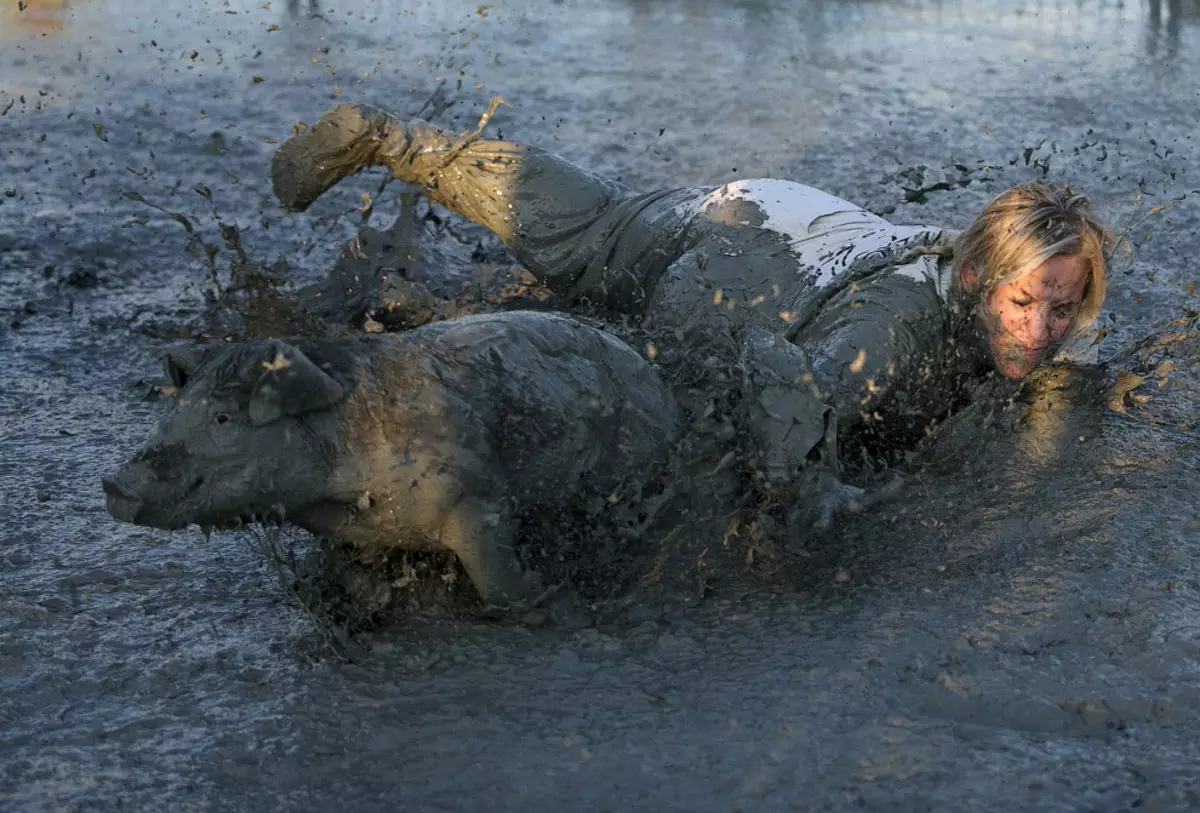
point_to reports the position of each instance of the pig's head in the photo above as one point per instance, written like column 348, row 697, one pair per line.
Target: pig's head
column 250, row 433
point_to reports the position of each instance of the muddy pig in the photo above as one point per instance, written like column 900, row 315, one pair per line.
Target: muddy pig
column 439, row 437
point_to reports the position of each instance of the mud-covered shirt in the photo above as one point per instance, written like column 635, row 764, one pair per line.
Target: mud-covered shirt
column 878, row 334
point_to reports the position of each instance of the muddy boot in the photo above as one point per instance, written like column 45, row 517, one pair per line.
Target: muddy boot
column 343, row 142
column 350, row 138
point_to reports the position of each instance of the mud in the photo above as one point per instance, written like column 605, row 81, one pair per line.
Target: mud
column 1019, row 630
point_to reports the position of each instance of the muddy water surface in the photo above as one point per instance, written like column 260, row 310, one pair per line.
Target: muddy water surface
column 1020, row 632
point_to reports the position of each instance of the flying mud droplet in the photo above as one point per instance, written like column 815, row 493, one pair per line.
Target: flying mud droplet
column 1121, row 395
column 859, row 362
column 280, row 362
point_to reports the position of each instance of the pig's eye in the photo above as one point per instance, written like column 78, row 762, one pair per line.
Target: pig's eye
column 220, row 417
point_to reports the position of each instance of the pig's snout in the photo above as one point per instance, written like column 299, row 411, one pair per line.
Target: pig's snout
column 124, row 504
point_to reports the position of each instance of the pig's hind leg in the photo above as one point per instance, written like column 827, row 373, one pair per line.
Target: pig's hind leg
column 481, row 534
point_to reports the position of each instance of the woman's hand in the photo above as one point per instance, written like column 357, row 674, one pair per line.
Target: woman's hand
column 824, row 499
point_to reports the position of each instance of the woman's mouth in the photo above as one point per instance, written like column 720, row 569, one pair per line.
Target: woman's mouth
column 1020, row 351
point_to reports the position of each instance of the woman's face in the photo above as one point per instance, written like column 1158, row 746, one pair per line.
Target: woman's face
column 1025, row 318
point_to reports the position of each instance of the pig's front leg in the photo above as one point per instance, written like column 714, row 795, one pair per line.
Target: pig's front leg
column 481, row 535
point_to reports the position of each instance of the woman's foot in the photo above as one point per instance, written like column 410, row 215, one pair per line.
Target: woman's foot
column 350, row 138
column 345, row 141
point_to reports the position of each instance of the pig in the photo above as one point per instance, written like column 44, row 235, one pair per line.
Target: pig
column 440, row 437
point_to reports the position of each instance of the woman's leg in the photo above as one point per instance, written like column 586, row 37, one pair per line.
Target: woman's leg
column 582, row 235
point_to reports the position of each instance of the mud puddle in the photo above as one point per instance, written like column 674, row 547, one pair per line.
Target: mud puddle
column 1019, row 632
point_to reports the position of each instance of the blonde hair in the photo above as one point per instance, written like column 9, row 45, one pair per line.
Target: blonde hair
column 1023, row 227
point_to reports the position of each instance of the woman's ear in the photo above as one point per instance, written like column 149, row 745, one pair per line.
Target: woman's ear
column 968, row 276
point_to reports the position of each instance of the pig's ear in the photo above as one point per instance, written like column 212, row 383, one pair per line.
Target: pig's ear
column 291, row 384
column 180, row 363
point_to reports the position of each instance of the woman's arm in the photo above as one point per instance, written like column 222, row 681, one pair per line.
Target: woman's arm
column 877, row 352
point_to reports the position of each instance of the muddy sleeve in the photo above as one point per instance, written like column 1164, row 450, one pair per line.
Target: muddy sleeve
column 784, row 415
column 872, row 346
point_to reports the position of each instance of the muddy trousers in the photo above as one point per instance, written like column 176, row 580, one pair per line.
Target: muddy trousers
column 583, row 236
column 601, row 245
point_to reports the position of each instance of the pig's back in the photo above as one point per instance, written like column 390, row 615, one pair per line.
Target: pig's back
column 561, row 404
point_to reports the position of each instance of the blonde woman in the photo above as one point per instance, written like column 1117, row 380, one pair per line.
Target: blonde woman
column 818, row 330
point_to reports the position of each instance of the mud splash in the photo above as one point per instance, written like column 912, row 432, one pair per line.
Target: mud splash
column 1018, row 632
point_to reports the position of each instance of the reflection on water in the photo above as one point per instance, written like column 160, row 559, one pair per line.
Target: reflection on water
column 65, row 50
column 311, row 8
column 22, row 19
column 1162, row 21
column 29, row 20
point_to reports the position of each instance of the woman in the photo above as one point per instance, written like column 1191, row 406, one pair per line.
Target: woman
column 841, row 333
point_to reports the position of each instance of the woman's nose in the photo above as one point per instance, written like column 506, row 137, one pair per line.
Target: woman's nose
column 1037, row 328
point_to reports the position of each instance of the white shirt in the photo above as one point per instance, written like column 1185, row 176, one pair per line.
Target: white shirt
column 827, row 234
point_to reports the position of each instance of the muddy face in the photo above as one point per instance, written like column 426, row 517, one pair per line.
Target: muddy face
column 242, row 440
column 1026, row 319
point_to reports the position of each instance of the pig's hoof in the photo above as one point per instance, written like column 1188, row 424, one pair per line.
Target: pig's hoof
column 558, row 606
column 496, row 612
column 569, row 613
column 565, row 607
column 537, row 617
column 509, row 611
column 565, row 613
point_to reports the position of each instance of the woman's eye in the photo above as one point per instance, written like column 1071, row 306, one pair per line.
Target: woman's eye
column 1022, row 303
column 220, row 417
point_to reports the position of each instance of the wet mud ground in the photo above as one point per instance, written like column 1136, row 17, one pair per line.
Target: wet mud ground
column 1020, row 631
